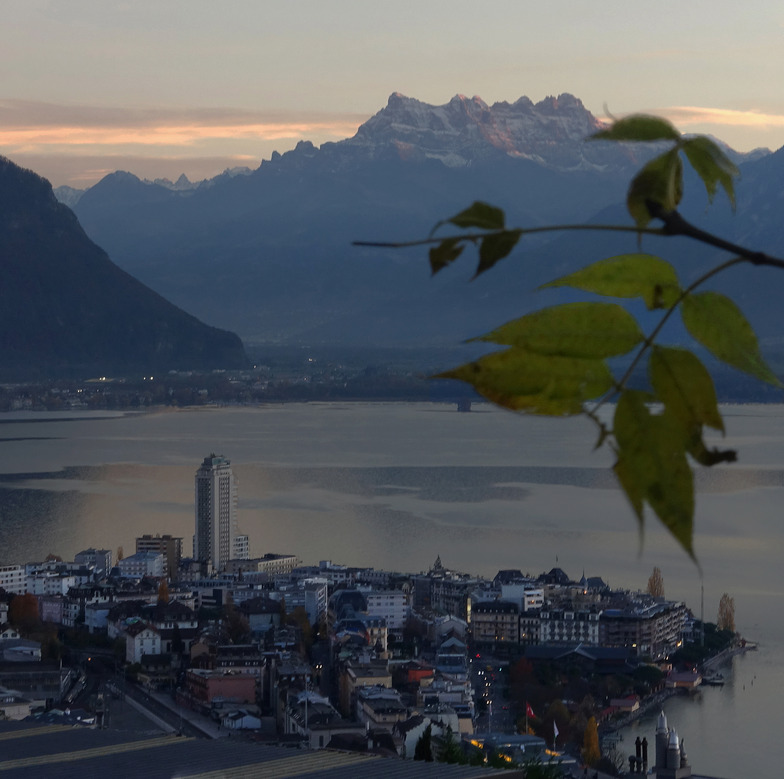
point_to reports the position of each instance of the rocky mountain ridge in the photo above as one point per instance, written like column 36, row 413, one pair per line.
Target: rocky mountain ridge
column 270, row 254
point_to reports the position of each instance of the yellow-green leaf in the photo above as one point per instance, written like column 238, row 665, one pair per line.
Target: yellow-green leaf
column 541, row 384
column 445, row 253
column 720, row 326
column 652, row 466
column 592, row 330
column 712, row 165
column 639, row 127
column 682, row 383
column 659, row 184
column 628, row 276
column 495, row 247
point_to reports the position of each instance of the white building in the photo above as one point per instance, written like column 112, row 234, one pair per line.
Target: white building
column 215, row 534
column 241, row 548
column 527, row 596
column 142, row 564
column 140, row 640
column 567, row 626
column 392, row 605
column 12, row 578
column 49, row 583
column 100, row 560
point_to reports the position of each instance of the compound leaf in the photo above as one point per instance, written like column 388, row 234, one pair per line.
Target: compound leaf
column 495, row 247
column 445, row 253
column 628, row 276
column 712, row 165
column 659, row 184
column 481, row 215
column 652, row 467
column 540, row 384
column 720, row 326
column 638, row 127
column 588, row 330
column 682, row 383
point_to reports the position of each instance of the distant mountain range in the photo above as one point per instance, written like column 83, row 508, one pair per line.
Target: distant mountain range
column 269, row 254
column 65, row 308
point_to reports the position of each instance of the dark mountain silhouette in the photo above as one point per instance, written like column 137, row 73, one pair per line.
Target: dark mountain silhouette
column 65, row 307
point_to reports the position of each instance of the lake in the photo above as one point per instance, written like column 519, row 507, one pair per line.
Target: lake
column 394, row 485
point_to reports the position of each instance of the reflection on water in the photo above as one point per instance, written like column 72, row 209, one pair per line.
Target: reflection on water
column 395, row 485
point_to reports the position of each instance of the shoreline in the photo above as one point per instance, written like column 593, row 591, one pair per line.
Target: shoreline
column 657, row 699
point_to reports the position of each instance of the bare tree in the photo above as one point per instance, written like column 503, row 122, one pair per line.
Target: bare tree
column 726, row 618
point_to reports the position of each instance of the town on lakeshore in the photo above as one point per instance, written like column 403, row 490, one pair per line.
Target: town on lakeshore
column 241, row 660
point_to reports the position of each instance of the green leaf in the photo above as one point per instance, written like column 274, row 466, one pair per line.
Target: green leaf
column 445, row 253
column 712, row 165
column 638, row 127
column 682, row 383
column 652, row 467
column 495, row 247
column 720, row 326
column 659, row 184
column 590, row 330
column 628, row 276
column 481, row 215
column 541, row 384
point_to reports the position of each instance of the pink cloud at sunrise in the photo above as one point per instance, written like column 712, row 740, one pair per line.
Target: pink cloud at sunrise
column 204, row 140
column 686, row 116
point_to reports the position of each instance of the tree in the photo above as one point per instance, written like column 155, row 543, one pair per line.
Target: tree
column 726, row 618
column 591, row 752
column 656, row 583
column 424, row 748
column 450, row 750
column 23, row 613
column 235, row 624
column 163, row 592
column 554, row 361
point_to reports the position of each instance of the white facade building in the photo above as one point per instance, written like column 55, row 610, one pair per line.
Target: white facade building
column 392, row 605
column 12, row 578
column 215, row 533
column 527, row 596
column 142, row 564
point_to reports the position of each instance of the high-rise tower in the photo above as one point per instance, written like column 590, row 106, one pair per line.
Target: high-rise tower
column 216, row 512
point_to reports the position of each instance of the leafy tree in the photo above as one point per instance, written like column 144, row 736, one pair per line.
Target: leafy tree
column 591, row 752
column 235, row 624
column 555, row 361
column 656, row 583
column 726, row 618
column 23, row 613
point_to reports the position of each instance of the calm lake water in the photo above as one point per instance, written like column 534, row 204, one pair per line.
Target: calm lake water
column 395, row 485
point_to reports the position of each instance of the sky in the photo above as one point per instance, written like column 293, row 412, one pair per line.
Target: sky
column 164, row 87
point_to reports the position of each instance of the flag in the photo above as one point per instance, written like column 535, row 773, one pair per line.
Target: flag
column 529, row 712
column 555, row 731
